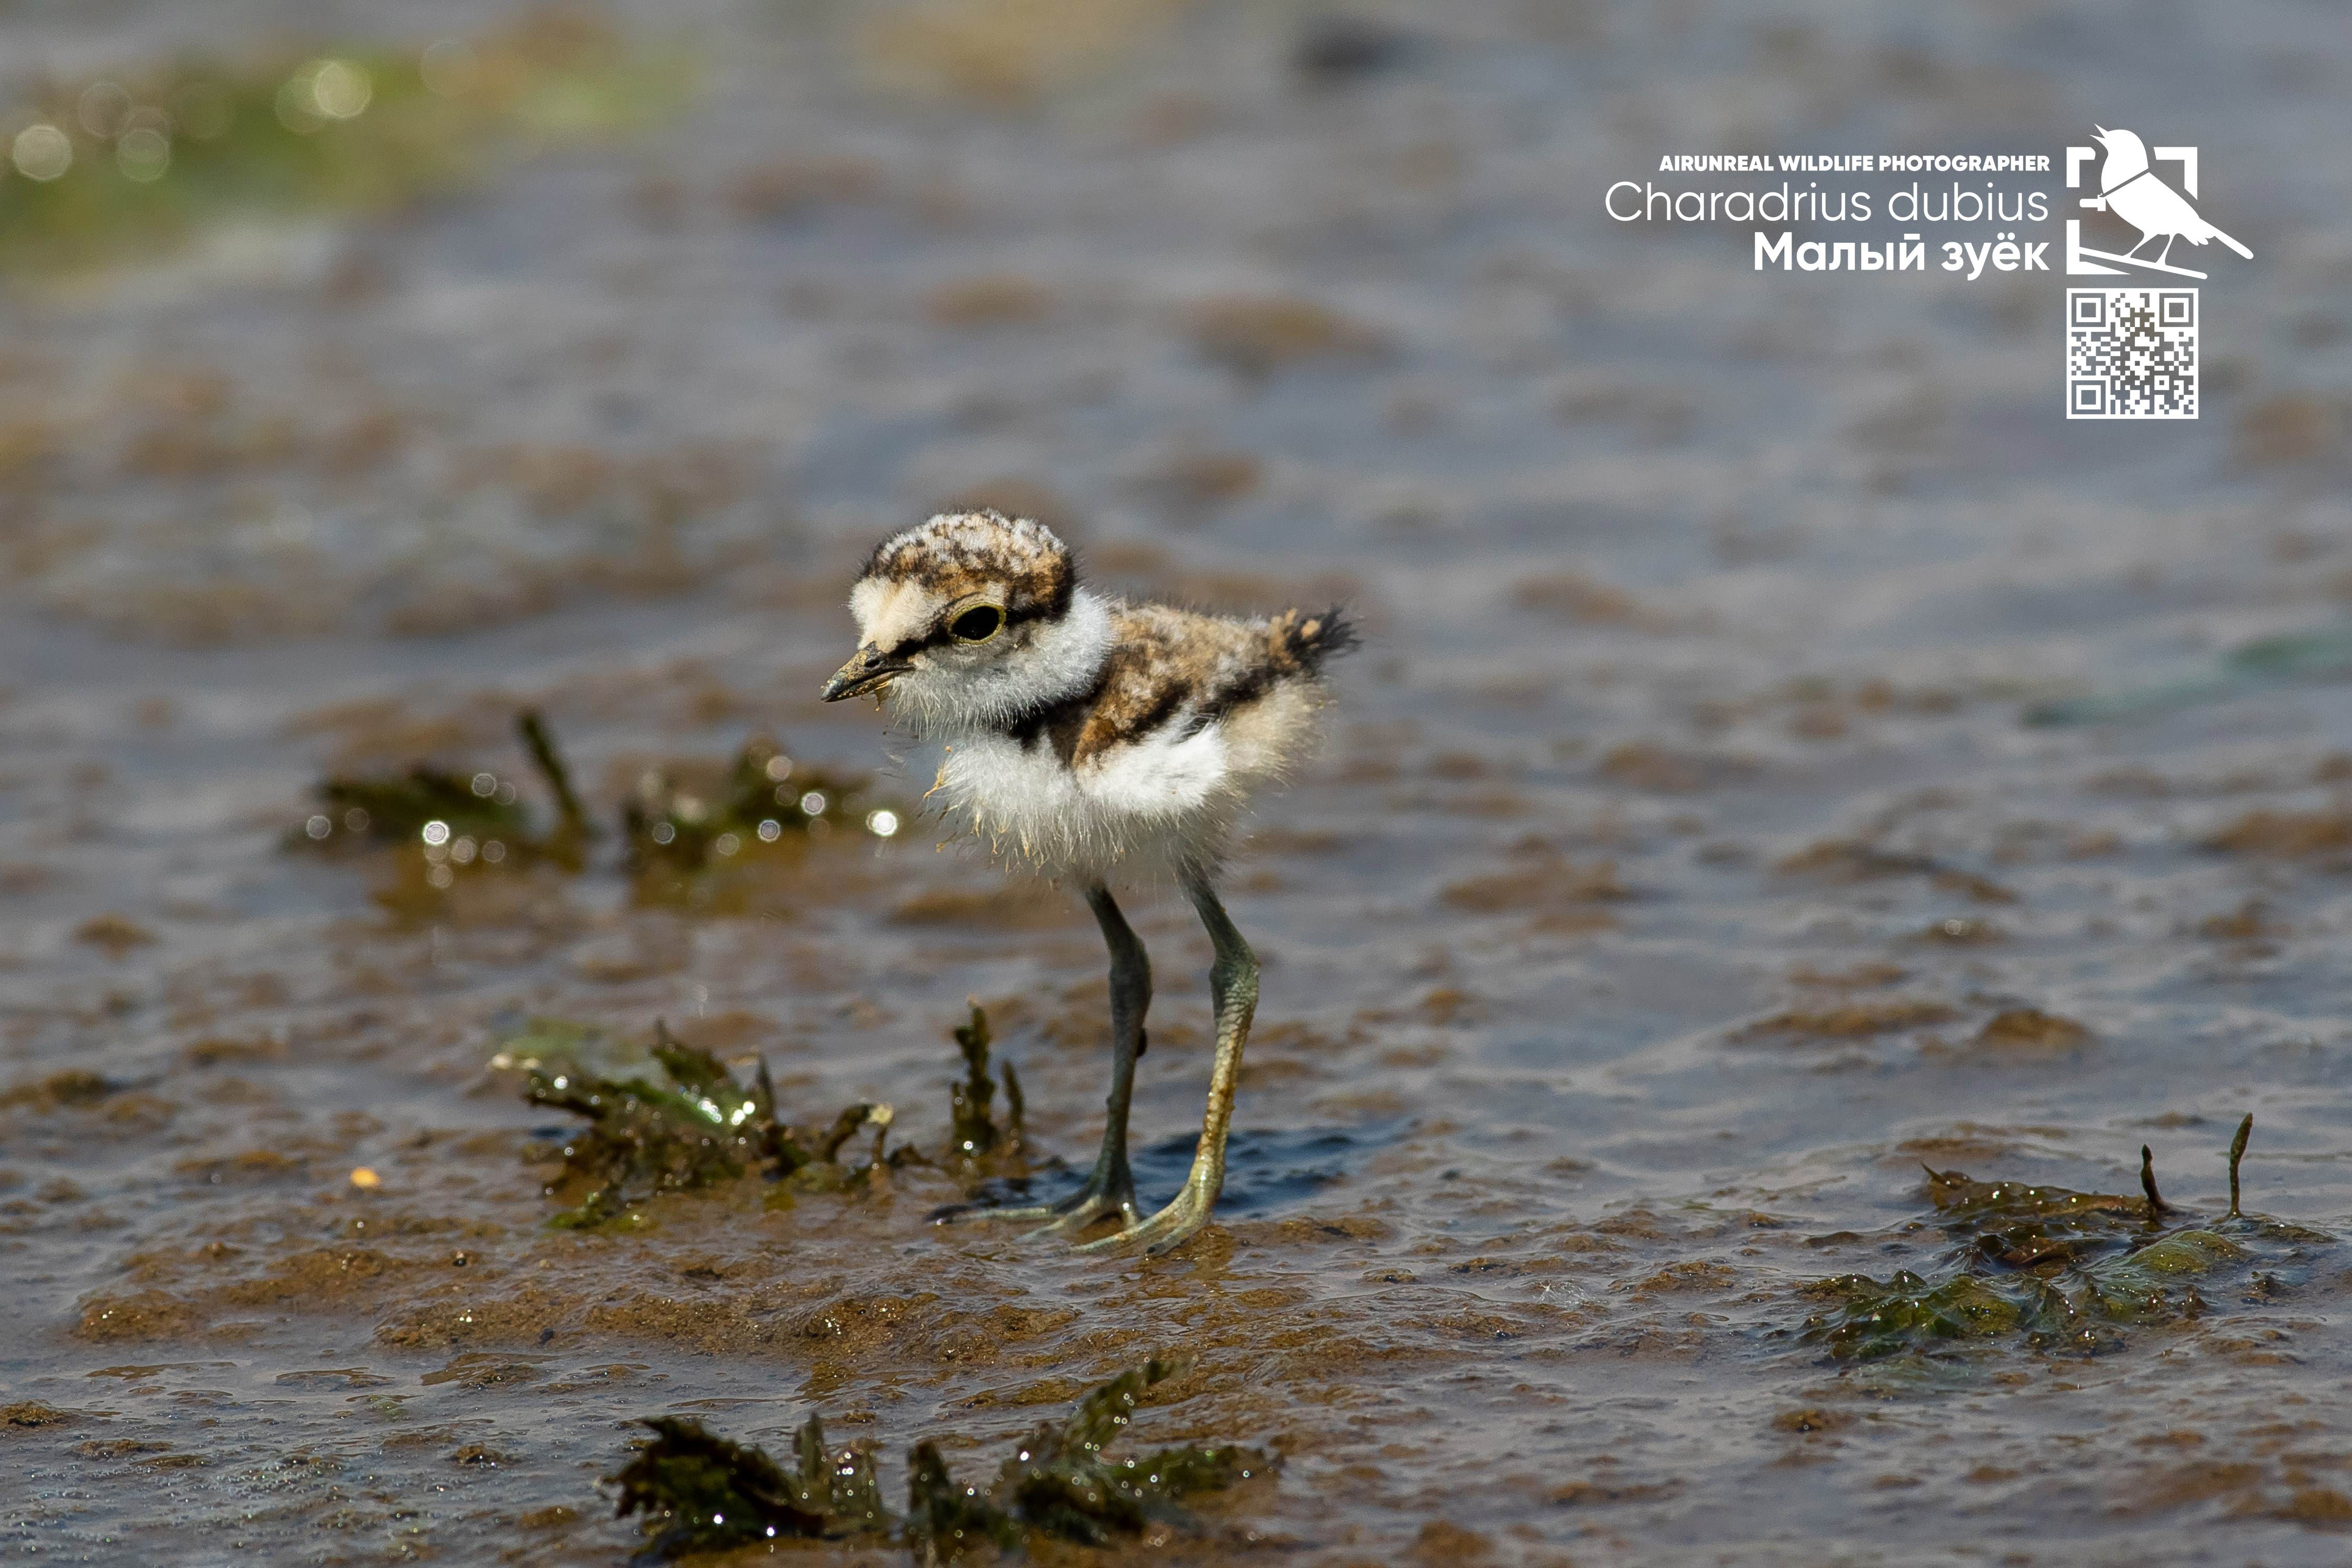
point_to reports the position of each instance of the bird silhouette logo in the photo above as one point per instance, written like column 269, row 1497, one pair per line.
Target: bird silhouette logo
column 2130, row 187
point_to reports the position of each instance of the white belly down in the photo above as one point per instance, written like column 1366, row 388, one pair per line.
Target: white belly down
column 1151, row 808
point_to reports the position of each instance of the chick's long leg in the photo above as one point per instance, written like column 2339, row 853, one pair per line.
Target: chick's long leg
column 1233, row 986
column 1109, row 1192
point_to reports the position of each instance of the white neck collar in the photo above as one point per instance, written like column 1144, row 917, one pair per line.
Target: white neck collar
column 1063, row 660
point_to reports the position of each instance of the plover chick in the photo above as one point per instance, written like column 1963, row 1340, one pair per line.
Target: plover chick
column 1097, row 742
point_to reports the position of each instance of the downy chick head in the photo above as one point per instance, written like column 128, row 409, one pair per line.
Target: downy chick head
column 965, row 618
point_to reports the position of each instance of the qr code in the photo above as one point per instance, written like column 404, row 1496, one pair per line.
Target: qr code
column 2131, row 353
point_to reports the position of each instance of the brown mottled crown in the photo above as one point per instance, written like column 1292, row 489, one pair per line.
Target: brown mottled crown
column 957, row 553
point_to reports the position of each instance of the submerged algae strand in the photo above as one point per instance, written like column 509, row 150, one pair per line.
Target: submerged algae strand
column 2064, row 1270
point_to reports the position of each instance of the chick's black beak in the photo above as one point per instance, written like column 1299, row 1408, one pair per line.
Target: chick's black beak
column 870, row 671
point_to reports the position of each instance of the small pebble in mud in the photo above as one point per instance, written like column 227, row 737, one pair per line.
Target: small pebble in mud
column 481, row 1454
column 1812, row 1420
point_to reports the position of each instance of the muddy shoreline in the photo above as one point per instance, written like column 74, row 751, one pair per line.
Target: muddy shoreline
column 1794, row 791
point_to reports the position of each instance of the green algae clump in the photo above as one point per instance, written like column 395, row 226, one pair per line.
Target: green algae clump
column 676, row 822
column 460, row 817
column 140, row 163
column 1906, row 1313
column 975, row 1134
column 677, row 1122
column 686, row 823
column 1060, row 1483
column 395, row 809
column 675, row 1119
column 698, row 1491
column 690, row 1125
column 2049, row 1268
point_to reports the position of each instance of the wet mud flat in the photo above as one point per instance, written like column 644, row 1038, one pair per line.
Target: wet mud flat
column 1801, row 828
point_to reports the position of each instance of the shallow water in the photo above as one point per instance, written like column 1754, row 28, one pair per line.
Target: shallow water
column 1630, row 950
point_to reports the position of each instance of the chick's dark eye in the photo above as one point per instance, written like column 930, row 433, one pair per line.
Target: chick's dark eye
column 979, row 623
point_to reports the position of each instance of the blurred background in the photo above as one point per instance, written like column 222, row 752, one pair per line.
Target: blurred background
column 1770, row 693
column 413, row 322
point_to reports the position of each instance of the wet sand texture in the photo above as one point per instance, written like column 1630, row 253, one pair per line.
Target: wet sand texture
column 1806, row 817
